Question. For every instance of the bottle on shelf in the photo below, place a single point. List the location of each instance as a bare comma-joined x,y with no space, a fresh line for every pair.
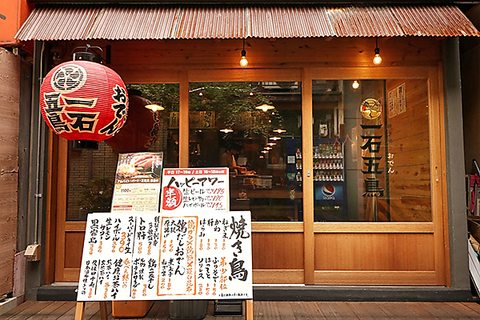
298,154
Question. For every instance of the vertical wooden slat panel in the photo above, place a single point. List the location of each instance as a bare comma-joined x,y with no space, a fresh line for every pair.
9,108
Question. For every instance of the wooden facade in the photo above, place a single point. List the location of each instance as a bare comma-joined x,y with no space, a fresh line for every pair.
308,252
9,107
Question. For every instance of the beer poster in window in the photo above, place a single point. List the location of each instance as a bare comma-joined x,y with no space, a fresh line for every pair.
137,182
166,256
198,189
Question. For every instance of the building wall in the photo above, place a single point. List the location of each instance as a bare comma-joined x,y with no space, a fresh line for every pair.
9,108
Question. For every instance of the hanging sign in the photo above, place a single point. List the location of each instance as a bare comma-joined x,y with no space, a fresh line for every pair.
137,182
200,189
84,100
166,256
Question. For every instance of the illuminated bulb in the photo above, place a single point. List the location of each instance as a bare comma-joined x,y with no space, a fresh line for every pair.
265,107
154,107
275,138
377,59
355,85
226,130
268,148
271,144
243,60
279,130
200,93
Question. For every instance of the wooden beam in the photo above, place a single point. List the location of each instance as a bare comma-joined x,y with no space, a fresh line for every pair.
307,158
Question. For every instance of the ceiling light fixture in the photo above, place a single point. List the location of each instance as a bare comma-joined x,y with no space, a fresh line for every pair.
154,107
243,60
355,85
377,59
265,107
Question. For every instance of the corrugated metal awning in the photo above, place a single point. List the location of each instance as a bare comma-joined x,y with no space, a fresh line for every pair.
157,22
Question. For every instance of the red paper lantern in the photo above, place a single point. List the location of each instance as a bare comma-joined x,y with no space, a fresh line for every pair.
84,100
141,130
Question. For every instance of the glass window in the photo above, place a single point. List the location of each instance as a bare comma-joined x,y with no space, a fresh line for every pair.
371,150
254,128
92,165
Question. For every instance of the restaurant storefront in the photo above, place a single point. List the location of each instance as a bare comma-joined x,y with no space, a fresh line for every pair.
347,161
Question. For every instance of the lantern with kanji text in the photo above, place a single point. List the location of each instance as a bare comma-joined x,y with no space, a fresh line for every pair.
84,100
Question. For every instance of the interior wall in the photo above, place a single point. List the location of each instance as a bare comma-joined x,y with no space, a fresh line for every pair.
408,142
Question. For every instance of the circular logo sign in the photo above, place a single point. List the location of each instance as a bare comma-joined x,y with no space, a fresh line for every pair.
69,78
328,190
172,198
371,109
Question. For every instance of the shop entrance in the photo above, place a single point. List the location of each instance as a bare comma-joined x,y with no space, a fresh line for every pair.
340,181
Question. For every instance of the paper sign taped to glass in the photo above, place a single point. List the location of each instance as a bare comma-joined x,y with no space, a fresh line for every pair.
199,189
166,256
137,182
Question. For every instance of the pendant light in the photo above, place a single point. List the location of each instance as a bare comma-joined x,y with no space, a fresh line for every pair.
377,59
243,60
265,107
355,85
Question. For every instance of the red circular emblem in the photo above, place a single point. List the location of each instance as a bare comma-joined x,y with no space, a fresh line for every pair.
172,198
84,100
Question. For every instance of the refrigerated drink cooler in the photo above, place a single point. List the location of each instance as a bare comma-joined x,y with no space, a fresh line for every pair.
328,176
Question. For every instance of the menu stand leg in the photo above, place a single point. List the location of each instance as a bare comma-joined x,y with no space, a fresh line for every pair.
249,309
79,309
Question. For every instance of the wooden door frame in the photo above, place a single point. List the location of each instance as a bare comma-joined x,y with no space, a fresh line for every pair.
438,227
433,74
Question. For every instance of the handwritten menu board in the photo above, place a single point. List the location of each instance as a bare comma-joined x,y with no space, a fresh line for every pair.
166,256
137,182
200,189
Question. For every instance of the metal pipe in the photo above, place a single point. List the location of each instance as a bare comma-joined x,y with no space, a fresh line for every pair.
38,194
